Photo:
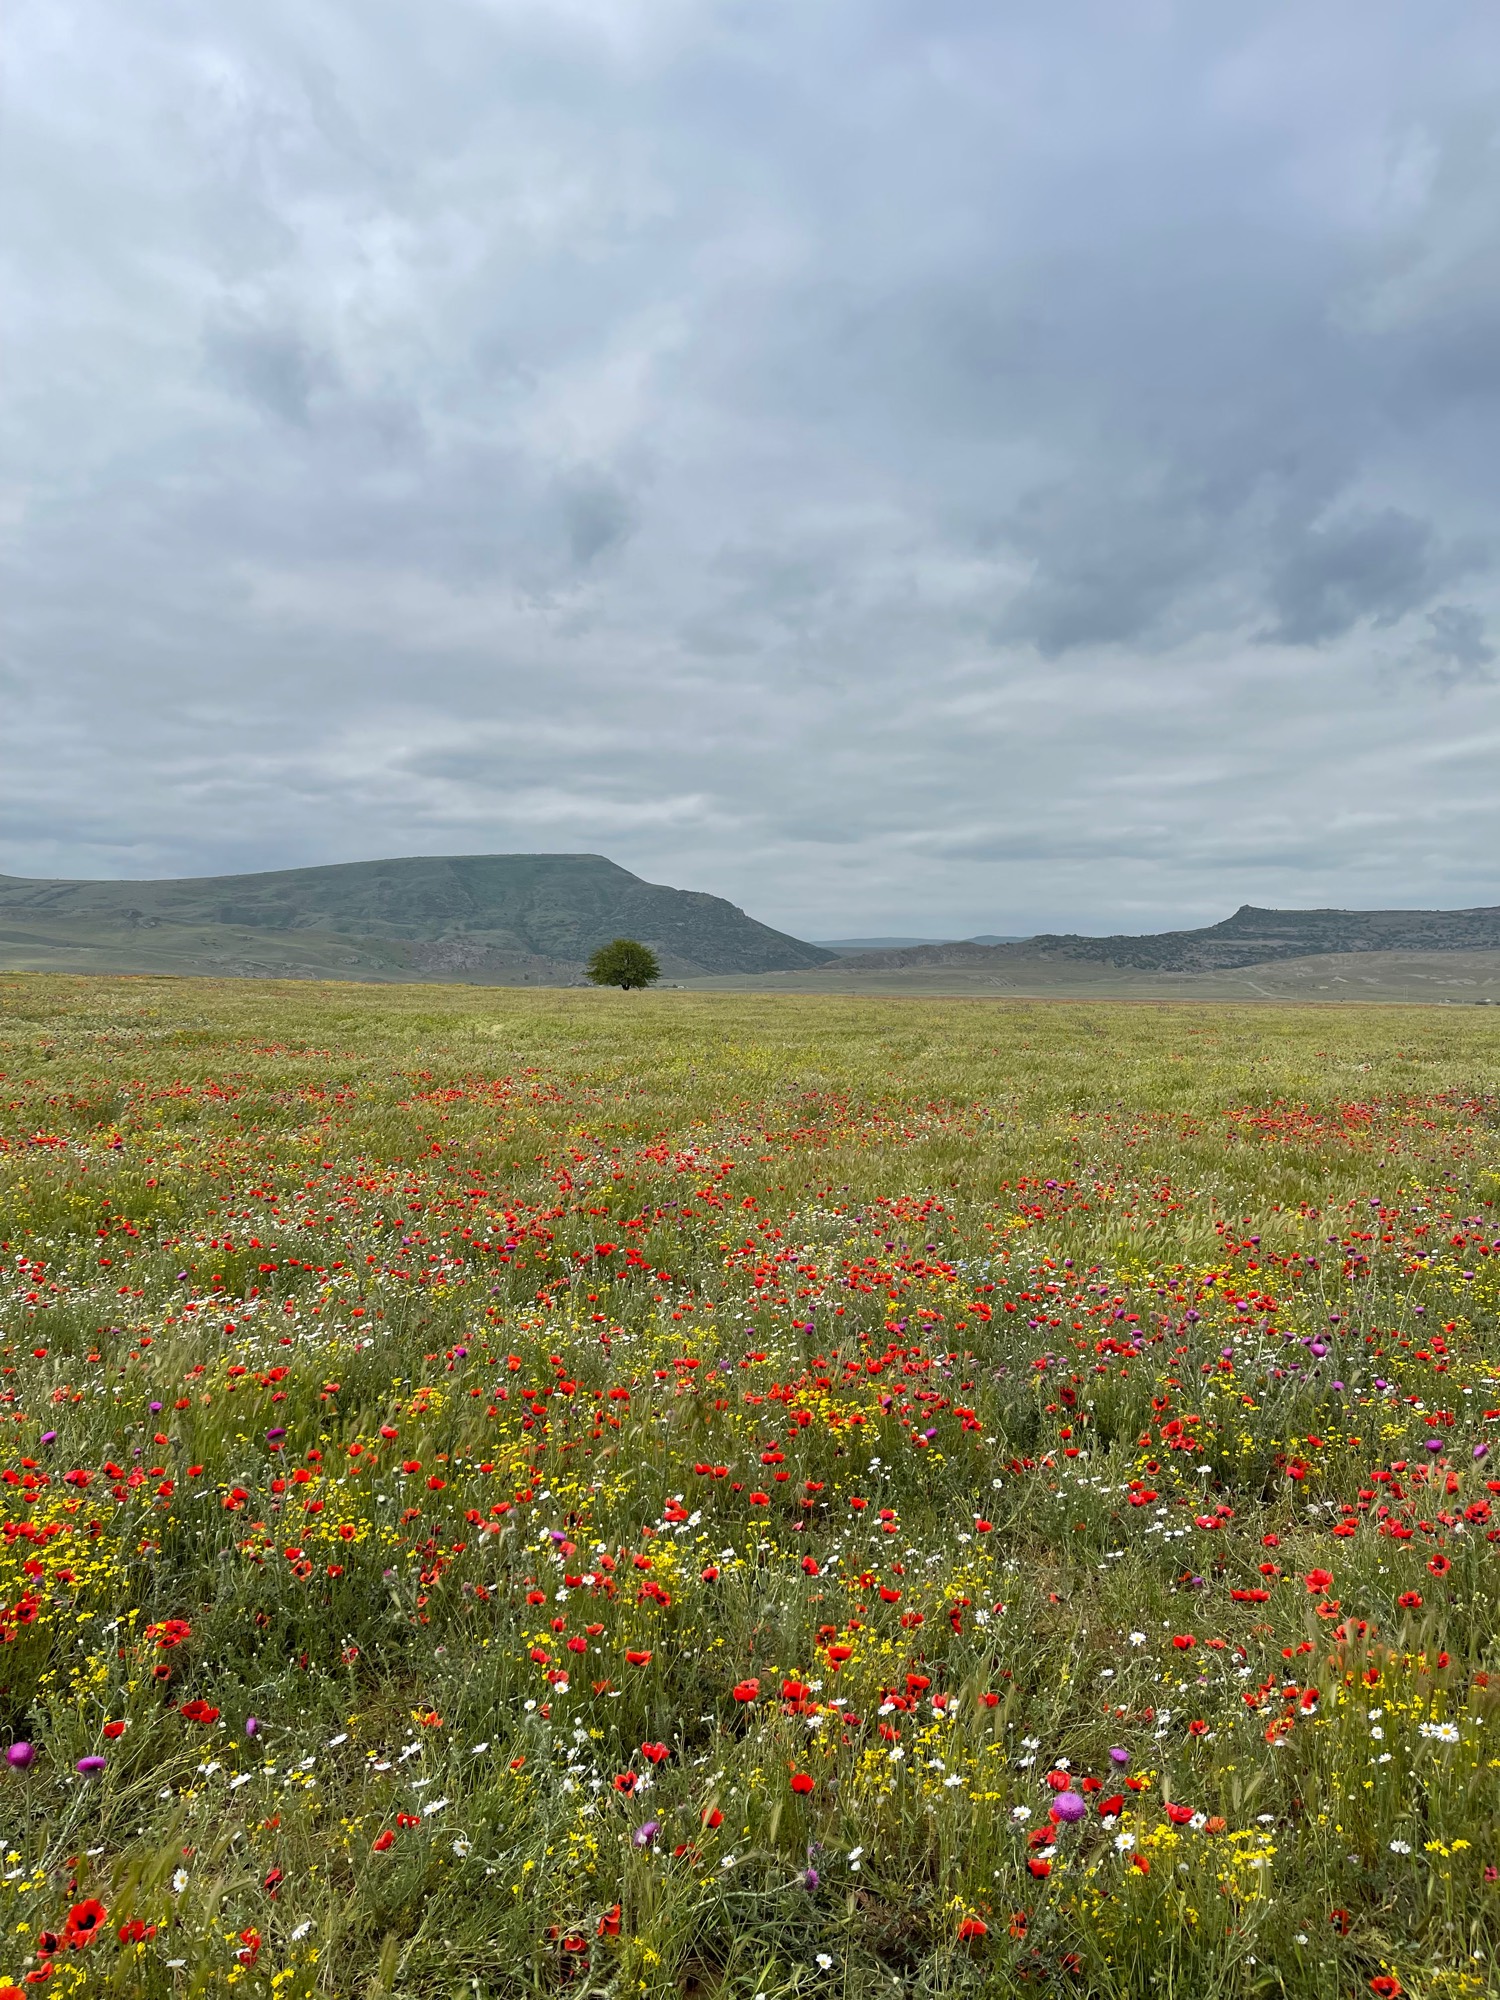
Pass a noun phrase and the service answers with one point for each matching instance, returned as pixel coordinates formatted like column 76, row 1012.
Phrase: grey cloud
column 598, row 517
column 273, row 368
column 1457, row 648
column 1329, row 576
column 965, row 467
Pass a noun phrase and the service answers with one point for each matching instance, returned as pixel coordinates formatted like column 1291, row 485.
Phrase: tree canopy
column 624, row 963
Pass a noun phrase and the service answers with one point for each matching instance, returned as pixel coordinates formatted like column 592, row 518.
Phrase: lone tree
column 624, row 963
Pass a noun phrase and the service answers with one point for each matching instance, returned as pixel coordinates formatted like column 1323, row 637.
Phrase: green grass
column 366, row 1317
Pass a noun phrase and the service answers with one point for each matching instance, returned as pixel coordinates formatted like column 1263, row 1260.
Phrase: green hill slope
column 508, row 918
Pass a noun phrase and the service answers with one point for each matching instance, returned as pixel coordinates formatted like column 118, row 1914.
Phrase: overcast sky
column 937, row 467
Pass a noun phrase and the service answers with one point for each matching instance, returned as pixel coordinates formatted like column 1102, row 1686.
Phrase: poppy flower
column 1387, row 1985
column 746, row 1690
column 112, row 1730
column 84, row 1920
column 713, row 1817
column 1410, row 1600
column 972, row 1927
column 383, row 1841
column 1340, row 1921
column 655, row 1753
column 1039, row 1866
column 626, row 1781
column 638, row 1659
column 802, row 1783
column 1179, row 1815
column 1439, row 1565
column 1318, row 1580
column 609, row 1923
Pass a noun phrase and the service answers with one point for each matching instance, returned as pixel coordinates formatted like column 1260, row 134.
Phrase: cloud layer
column 960, row 467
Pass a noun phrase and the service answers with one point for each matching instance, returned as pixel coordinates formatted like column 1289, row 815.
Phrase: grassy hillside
column 697, row 1495
column 503, row 918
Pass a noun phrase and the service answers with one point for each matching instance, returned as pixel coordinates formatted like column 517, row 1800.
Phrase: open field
column 520, row 1493
column 1383, row 976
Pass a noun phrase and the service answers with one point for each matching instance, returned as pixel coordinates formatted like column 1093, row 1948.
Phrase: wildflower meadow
column 609, row 1493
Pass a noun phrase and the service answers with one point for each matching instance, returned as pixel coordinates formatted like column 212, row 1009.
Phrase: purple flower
column 810, row 1878
column 1433, row 1444
column 1119, row 1755
column 277, row 1432
column 1481, row 1451
column 49, row 1437
column 646, row 1832
column 89, row 1767
column 19, row 1755
column 1069, row 1808
column 252, row 1725
column 155, row 1409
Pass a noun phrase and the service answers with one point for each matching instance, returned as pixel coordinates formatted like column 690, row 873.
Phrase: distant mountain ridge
column 527, row 918
column 1250, row 937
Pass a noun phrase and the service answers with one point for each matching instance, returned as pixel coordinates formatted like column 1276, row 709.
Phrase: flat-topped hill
column 532, row 918
column 1250, row 937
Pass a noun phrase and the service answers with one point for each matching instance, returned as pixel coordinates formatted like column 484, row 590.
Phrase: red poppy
column 1387, row 1986
column 638, row 1659
column 1340, row 1921
column 198, row 1711
column 1179, row 1815
column 713, row 1817
column 746, row 1690
column 609, row 1923
column 383, row 1840
column 1410, row 1600
column 113, row 1730
column 1039, row 1866
column 971, row 1927
column 83, row 1920
column 802, row 1783
column 655, row 1753
column 1439, row 1565
column 1318, row 1580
